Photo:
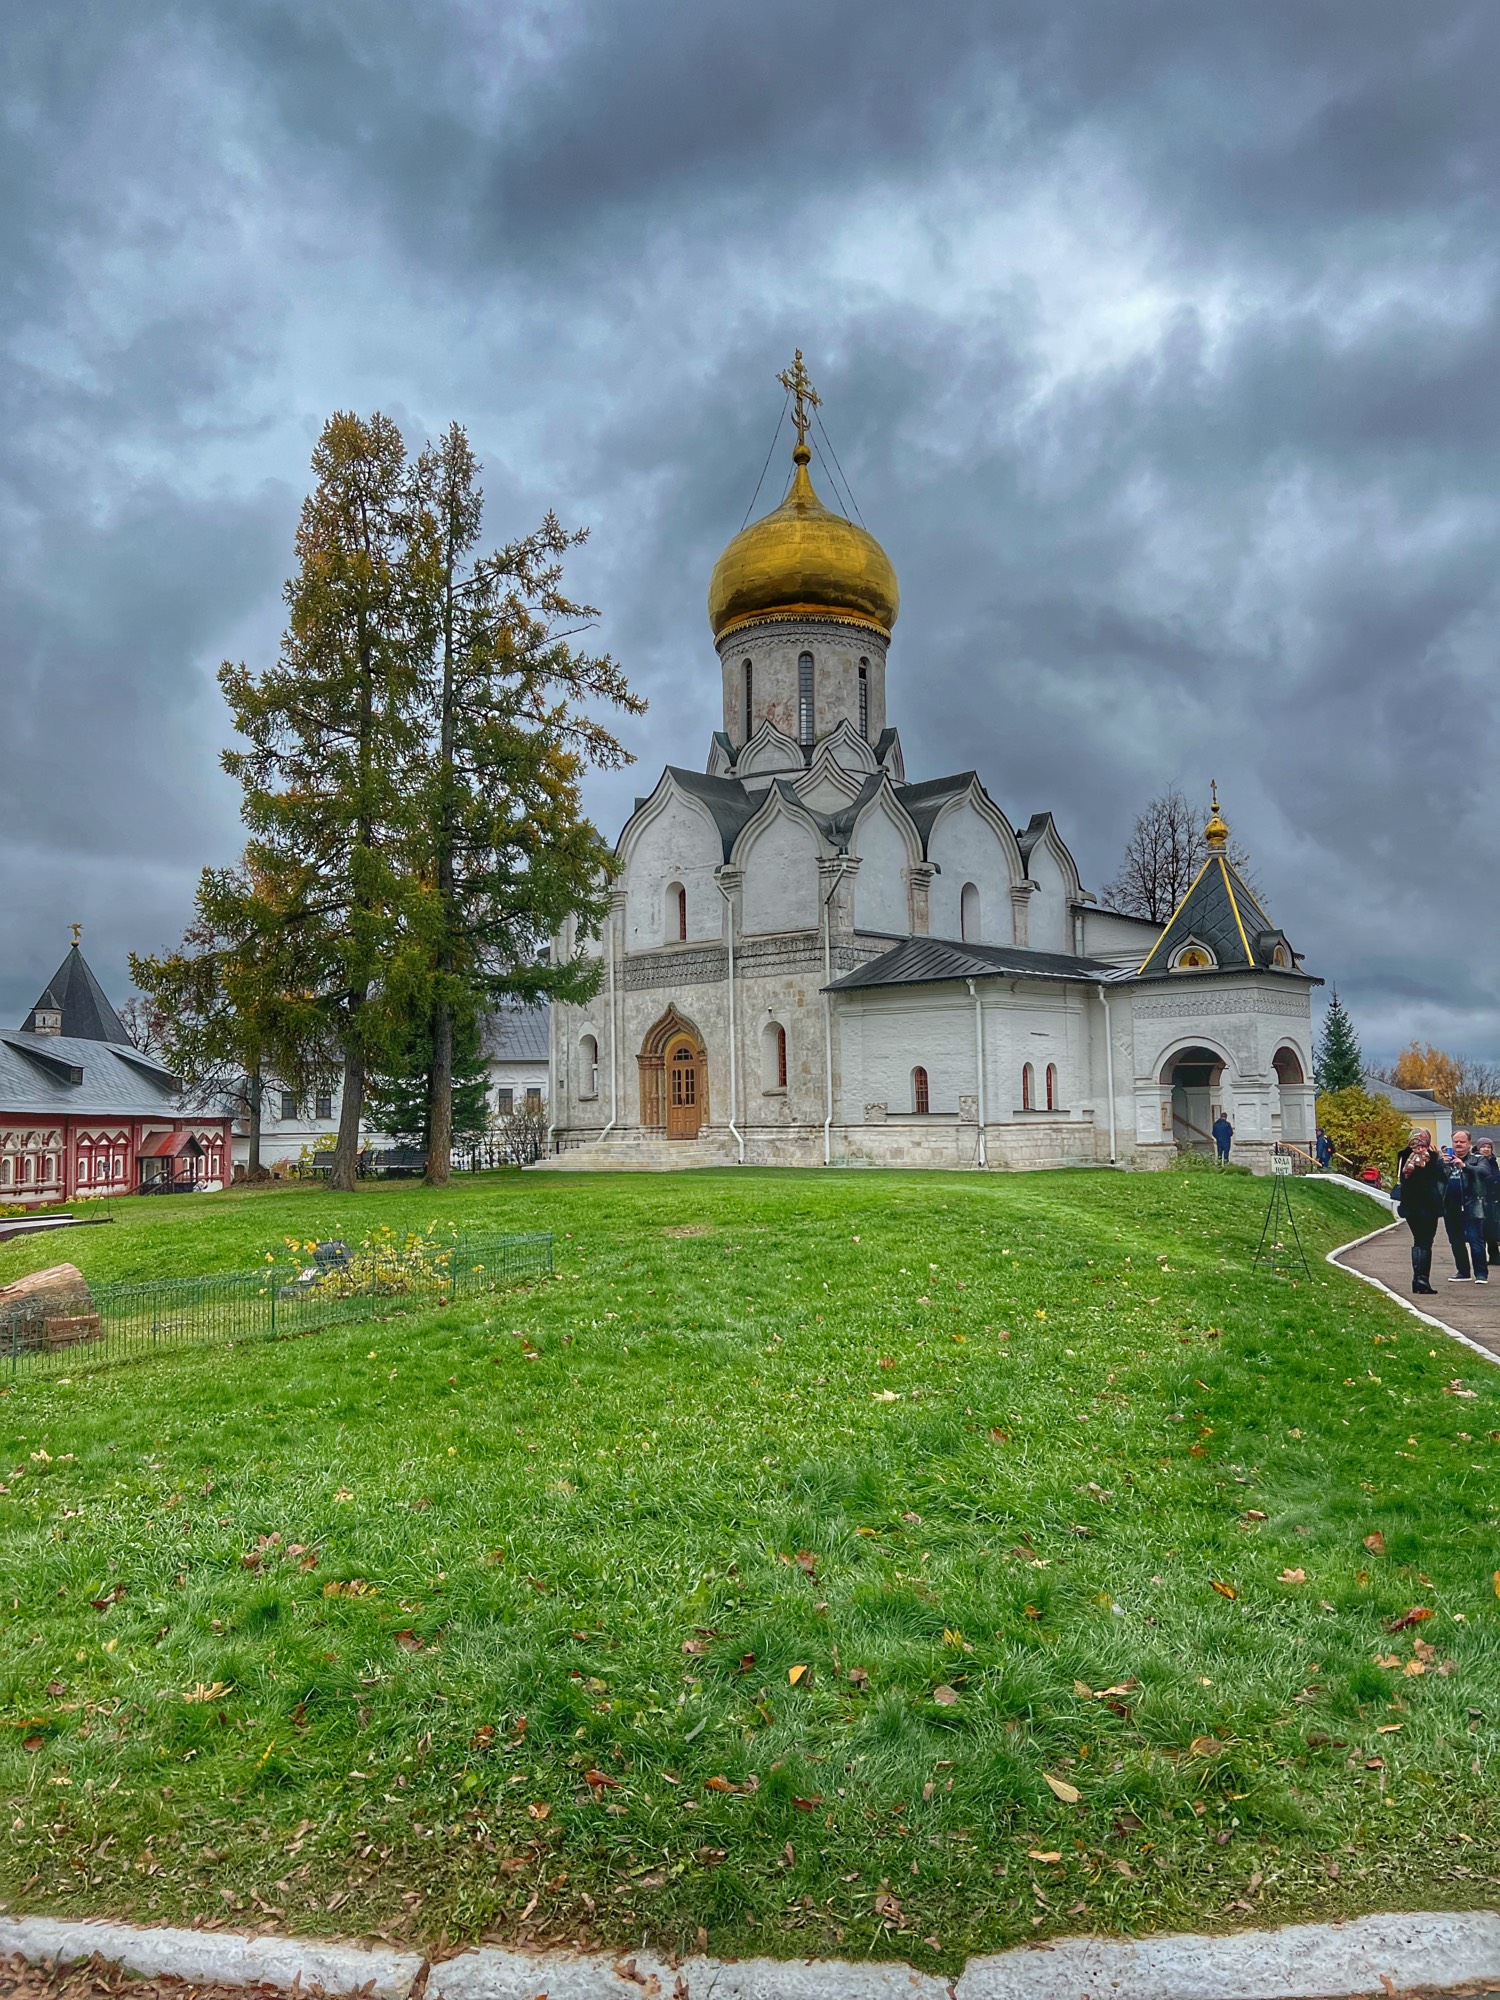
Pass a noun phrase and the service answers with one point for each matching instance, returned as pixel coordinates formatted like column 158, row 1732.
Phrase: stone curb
column 1379, row 1956
column 1366, row 1955
column 220, row 1957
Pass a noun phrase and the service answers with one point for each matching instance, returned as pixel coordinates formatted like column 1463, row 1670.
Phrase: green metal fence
column 167, row 1314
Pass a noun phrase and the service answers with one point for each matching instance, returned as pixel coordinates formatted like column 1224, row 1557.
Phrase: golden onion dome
column 800, row 561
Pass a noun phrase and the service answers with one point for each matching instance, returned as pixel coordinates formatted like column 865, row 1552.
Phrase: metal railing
column 134, row 1320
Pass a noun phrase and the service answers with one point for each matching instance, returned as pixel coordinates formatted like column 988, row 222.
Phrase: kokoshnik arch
column 811, row 959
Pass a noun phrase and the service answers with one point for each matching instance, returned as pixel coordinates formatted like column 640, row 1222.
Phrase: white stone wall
column 882, row 900
column 780, row 862
column 1051, row 918
column 966, row 845
column 675, row 841
column 1117, row 939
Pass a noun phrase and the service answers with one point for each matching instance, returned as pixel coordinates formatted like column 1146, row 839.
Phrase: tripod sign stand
column 1278, row 1236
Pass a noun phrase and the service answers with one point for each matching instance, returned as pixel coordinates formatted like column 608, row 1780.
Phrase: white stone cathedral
column 812, row 960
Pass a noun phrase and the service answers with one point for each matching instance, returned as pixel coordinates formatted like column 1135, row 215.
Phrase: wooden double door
column 684, row 1081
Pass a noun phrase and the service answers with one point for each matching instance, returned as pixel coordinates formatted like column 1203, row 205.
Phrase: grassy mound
column 872, row 1563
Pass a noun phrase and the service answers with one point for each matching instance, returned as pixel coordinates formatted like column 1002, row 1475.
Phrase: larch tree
column 512, row 711
column 223, row 1014
column 331, row 736
column 1163, row 854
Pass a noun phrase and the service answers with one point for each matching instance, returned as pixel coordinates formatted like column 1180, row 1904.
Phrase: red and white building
column 84, row 1112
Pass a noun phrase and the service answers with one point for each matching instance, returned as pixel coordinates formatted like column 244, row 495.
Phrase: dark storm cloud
column 1159, row 343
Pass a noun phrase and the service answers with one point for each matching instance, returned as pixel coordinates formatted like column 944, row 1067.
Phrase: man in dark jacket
column 1489, row 1179
column 1420, row 1174
column 1223, row 1132
column 1324, row 1150
column 1463, row 1213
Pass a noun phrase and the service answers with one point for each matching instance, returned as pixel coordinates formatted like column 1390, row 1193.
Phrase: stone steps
column 630, row 1152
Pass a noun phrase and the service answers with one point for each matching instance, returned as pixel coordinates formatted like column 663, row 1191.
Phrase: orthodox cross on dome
column 1216, row 833
column 796, row 383
column 77, row 932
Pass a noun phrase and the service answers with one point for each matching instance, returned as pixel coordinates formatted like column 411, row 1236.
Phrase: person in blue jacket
column 1223, row 1132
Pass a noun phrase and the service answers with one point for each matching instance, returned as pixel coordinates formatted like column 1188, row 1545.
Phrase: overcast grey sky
column 1158, row 339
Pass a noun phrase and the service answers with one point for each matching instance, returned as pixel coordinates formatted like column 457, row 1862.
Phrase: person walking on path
column 1420, row 1173
column 1463, row 1213
column 1489, row 1179
column 1323, row 1147
column 1223, row 1133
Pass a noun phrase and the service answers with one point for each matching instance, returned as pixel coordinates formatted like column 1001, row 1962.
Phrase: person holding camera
column 1463, row 1212
column 1488, row 1168
column 1420, row 1176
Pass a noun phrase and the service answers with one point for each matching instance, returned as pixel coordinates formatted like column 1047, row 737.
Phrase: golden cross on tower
column 795, row 381
column 77, row 932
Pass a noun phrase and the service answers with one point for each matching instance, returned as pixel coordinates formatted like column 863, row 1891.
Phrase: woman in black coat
column 1420, row 1174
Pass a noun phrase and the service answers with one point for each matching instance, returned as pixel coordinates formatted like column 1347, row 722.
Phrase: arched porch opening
column 1294, row 1115
column 1195, row 1076
column 674, row 1077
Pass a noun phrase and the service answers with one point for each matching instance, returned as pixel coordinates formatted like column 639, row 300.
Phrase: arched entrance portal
column 674, row 1077
column 683, row 1112
column 1196, row 1077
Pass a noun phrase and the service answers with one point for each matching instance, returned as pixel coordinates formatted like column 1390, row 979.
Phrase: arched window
column 864, row 699
column 749, row 699
column 1028, row 1087
column 773, row 1057
column 1052, row 1086
column 968, row 913
column 919, row 1098
column 676, row 913
column 588, row 1060
column 805, row 717
column 1193, row 957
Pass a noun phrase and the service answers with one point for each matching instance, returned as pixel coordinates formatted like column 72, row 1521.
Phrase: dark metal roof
column 1220, row 910
column 925, row 961
column 65, row 1074
column 730, row 805
column 1032, row 832
column 86, row 1014
column 517, row 1034
column 925, row 801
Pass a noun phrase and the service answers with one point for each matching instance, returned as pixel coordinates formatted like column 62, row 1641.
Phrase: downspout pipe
column 828, row 1021
column 982, row 1152
column 614, row 1067
column 1109, row 1071
column 734, row 1066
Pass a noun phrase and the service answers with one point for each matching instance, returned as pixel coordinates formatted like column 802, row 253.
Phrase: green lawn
column 757, row 1573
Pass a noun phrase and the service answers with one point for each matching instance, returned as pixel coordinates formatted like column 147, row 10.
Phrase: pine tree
column 399, row 1098
column 332, row 731
column 508, row 854
column 1337, row 1061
